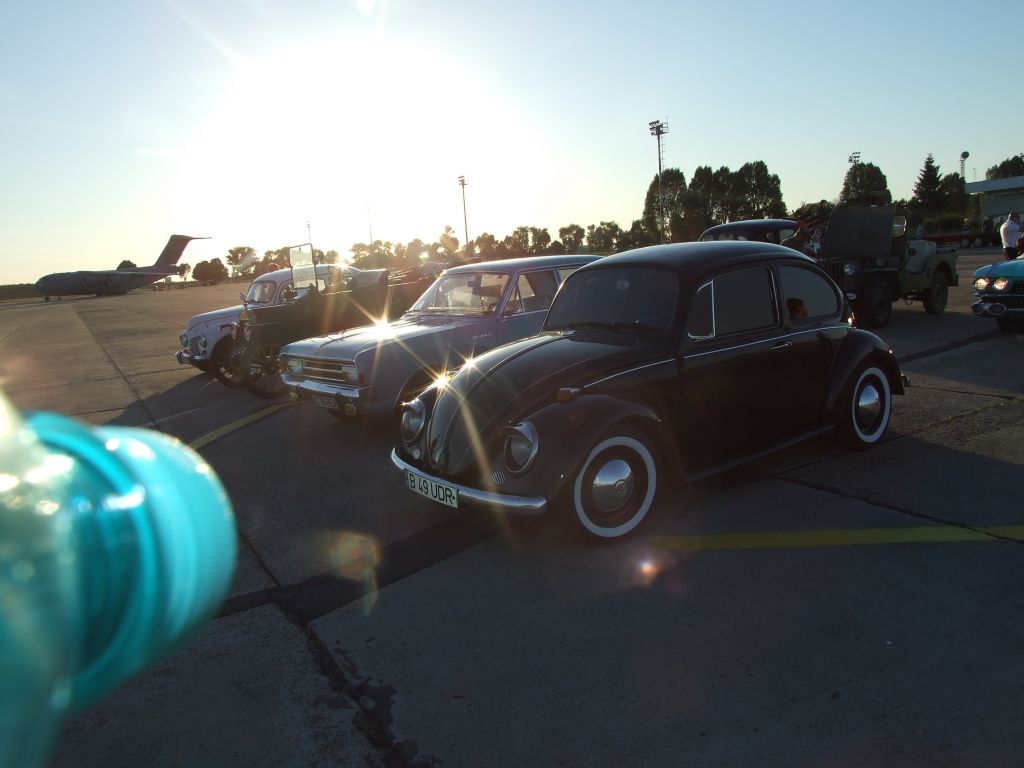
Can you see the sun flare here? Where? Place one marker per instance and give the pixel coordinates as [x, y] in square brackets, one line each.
[357, 137]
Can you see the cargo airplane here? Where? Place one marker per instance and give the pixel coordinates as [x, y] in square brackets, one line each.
[115, 281]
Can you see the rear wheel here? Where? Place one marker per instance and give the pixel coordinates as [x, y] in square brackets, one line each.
[614, 490]
[937, 295]
[875, 306]
[863, 411]
[225, 364]
[262, 376]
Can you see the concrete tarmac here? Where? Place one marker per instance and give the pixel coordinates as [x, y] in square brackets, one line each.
[817, 607]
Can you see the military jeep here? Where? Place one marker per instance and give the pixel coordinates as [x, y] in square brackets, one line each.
[869, 253]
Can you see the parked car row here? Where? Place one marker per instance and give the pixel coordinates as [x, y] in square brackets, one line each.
[577, 383]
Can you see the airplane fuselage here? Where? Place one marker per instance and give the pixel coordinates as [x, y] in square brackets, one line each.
[85, 282]
[115, 281]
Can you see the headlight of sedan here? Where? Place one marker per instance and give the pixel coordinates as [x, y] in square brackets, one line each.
[350, 374]
[1000, 283]
[849, 268]
[414, 417]
[981, 284]
[294, 366]
[183, 339]
[247, 333]
[521, 446]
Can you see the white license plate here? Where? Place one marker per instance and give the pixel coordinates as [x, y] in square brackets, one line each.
[326, 402]
[433, 490]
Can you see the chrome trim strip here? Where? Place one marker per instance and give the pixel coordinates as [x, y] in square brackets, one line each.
[623, 373]
[765, 341]
[321, 388]
[523, 505]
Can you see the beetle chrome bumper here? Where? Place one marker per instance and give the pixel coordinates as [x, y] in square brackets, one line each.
[474, 497]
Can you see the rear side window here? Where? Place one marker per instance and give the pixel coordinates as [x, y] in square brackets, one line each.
[807, 294]
[533, 292]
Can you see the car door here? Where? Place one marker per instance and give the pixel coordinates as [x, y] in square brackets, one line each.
[527, 304]
[812, 307]
[735, 369]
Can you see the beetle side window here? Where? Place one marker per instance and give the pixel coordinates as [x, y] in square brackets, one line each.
[744, 301]
[807, 294]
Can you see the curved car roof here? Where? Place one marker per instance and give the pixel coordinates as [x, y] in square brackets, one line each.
[511, 265]
[750, 225]
[692, 260]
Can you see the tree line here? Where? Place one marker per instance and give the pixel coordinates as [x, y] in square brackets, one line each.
[674, 210]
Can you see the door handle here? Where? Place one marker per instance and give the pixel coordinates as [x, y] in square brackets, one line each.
[781, 345]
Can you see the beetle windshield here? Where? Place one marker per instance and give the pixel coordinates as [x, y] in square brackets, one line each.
[464, 293]
[622, 299]
[260, 292]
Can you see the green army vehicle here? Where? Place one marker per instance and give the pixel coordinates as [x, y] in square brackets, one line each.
[869, 253]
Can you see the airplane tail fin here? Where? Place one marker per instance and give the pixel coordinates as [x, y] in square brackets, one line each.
[173, 250]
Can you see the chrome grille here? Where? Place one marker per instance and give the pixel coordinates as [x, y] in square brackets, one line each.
[326, 370]
[193, 345]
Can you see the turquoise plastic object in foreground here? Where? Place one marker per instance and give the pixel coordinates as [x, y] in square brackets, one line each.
[116, 545]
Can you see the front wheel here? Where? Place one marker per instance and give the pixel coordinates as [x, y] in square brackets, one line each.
[863, 411]
[937, 295]
[226, 365]
[262, 377]
[614, 490]
[875, 307]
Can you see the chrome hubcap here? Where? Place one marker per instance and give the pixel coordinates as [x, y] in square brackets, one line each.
[613, 485]
[869, 405]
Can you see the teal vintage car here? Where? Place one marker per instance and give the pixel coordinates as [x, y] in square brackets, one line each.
[1000, 291]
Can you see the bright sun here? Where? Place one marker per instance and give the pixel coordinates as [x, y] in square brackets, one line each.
[351, 135]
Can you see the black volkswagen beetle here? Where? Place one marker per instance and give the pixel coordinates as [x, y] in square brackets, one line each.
[681, 359]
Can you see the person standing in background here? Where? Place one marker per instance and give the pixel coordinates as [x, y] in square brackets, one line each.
[1010, 233]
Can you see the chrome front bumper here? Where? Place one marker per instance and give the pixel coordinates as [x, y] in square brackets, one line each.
[474, 497]
[996, 309]
[184, 358]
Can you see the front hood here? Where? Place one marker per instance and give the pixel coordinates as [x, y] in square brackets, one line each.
[215, 317]
[507, 383]
[345, 345]
[1012, 268]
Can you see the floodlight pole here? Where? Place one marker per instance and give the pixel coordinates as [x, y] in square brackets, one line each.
[659, 129]
[465, 224]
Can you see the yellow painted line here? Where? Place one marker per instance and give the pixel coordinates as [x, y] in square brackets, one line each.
[208, 438]
[837, 538]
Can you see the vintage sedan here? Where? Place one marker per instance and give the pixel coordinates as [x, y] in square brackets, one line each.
[1000, 291]
[207, 343]
[675, 360]
[471, 308]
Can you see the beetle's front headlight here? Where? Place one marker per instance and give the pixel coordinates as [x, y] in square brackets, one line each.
[521, 446]
[849, 268]
[414, 418]
[183, 339]
[1000, 283]
[981, 284]
[295, 366]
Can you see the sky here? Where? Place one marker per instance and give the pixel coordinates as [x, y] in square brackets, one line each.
[269, 123]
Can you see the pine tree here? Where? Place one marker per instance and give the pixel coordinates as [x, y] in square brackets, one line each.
[928, 189]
